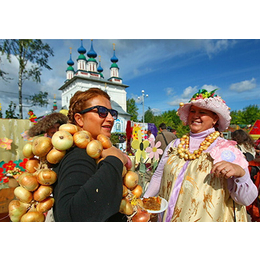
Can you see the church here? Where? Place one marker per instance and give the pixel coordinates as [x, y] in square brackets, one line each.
[89, 75]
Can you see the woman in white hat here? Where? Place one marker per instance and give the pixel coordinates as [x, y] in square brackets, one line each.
[203, 176]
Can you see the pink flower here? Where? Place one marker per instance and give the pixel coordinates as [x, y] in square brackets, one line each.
[225, 150]
[153, 150]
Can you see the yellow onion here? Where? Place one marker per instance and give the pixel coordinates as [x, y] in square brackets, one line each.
[28, 181]
[32, 164]
[94, 149]
[16, 210]
[141, 216]
[104, 140]
[82, 138]
[131, 180]
[27, 150]
[139, 203]
[62, 140]
[23, 195]
[46, 177]
[137, 191]
[41, 146]
[126, 207]
[45, 205]
[33, 216]
[42, 192]
[72, 129]
[54, 156]
[125, 191]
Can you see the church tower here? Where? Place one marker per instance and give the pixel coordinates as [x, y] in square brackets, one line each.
[114, 69]
[92, 63]
[82, 58]
[70, 70]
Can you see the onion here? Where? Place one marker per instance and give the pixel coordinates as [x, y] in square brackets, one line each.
[41, 146]
[16, 210]
[23, 195]
[104, 140]
[131, 180]
[42, 193]
[28, 181]
[33, 216]
[46, 177]
[140, 203]
[54, 156]
[82, 138]
[94, 149]
[45, 205]
[72, 129]
[126, 207]
[137, 191]
[125, 191]
[32, 164]
[27, 150]
[62, 140]
[141, 216]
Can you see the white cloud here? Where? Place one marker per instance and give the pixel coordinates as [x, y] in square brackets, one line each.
[243, 85]
[189, 91]
[169, 91]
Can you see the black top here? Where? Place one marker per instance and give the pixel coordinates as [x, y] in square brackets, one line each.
[86, 191]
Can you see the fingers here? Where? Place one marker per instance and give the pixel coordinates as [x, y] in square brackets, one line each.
[113, 151]
[227, 170]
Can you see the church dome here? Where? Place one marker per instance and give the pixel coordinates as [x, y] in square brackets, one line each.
[91, 53]
[114, 59]
[70, 62]
[81, 49]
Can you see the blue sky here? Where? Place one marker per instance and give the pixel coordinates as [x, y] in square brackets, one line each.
[169, 70]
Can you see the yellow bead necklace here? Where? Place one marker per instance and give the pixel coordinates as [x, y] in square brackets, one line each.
[183, 147]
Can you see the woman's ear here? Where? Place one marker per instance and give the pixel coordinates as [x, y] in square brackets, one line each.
[79, 119]
[215, 120]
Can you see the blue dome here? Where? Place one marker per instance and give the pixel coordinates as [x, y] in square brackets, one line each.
[81, 49]
[92, 53]
[114, 59]
[70, 62]
[99, 69]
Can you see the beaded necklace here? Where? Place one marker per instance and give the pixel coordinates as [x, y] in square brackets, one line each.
[183, 147]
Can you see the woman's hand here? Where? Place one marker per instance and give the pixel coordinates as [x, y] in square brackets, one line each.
[227, 170]
[114, 152]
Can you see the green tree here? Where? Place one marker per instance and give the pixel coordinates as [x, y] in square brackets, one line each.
[10, 112]
[132, 109]
[149, 116]
[246, 116]
[27, 51]
[40, 99]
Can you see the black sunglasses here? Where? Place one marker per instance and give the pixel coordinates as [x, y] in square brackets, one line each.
[102, 111]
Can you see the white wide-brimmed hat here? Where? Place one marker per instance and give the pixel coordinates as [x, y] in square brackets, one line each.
[210, 101]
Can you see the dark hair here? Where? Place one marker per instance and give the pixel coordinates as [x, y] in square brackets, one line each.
[46, 123]
[80, 101]
[162, 126]
[242, 137]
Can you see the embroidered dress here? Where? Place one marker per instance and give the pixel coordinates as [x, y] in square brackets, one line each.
[193, 193]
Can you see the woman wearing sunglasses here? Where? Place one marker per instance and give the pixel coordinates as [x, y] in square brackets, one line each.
[86, 191]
